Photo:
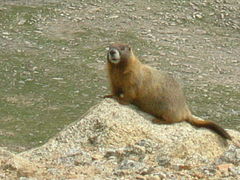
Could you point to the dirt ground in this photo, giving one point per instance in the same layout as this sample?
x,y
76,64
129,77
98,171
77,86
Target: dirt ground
x,y
53,54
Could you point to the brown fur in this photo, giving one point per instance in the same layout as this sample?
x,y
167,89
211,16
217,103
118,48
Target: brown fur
x,y
153,91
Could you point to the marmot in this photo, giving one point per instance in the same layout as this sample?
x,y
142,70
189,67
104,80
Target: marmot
x,y
153,91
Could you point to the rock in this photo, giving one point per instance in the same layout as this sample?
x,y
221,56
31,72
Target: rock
x,y
163,161
26,178
110,125
232,155
22,166
224,167
235,171
115,141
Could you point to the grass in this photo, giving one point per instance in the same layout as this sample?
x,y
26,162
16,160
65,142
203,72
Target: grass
x,y
44,87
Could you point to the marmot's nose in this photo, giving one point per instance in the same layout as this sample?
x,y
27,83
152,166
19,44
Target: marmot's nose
x,y
112,52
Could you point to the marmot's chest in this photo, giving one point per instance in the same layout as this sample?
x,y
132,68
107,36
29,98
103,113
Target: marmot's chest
x,y
120,80
124,79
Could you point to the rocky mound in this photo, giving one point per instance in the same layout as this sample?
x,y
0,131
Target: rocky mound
x,y
115,141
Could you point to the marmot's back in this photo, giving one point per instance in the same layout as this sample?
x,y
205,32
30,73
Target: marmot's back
x,y
160,93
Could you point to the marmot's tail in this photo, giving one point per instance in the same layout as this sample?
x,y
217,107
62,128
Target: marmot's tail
x,y
198,122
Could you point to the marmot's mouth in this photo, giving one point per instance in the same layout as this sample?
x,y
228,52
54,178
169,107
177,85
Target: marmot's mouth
x,y
114,56
114,60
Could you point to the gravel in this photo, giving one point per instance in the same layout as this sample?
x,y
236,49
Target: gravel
x,y
113,141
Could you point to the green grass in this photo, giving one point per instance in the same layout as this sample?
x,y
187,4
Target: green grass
x,y
37,102
43,89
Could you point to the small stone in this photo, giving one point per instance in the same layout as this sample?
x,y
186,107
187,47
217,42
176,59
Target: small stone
x,y
22,21
27,178
224,167
6,33
140,177
130,164
163,161
152,177
22,166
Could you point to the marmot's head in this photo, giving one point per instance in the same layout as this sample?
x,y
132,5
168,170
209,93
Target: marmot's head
x,y
119,53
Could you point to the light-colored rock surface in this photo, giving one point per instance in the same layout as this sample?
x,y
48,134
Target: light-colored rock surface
x,y
114,141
